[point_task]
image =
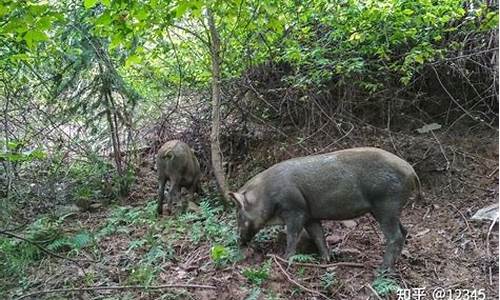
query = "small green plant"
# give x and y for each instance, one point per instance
(268, 234)
(301, 271)
(258, 275)
(121, 217)
(254, 294)
(328, 279)
(384, 285)
(89, 278)
(219, 254)
(303, 258)
(142, 274)
(159, 252)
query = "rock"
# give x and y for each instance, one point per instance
(428, 127)
(487, 213)
(62, 210)
(349, 223)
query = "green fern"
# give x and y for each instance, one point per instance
(206, 210)
(384, 285)
(81, 240)
(158, 252)
(258, 275)
(47, 232)
(328, 279)
(188, 217)
(303, 258)
(254, 294)
(59, 245)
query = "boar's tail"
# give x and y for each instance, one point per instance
(418, 186)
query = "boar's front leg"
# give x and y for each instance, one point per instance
(294, 225)
(315, 231)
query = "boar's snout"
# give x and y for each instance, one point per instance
(243, 241)
(246, 235)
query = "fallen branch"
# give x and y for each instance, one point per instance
(290, 279)
(338, 264)
(488, 252)
(125, 287)
(462, 215)
(43, 249)
(442, 151)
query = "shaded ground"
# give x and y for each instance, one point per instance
(446, 249)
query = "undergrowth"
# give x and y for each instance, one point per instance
(48, 232)
(208, 225)
(152, 247)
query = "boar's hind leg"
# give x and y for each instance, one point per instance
(161, 194)
(294, 225)
(390, 225)
(173, 194)
(315, 231)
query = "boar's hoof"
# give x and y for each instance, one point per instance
(325, 258)
(248, 251)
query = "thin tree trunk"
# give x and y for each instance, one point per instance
(214, 135)
(6, 163)
(114, 139)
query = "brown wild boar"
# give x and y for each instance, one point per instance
(340, 185)
(177, 163)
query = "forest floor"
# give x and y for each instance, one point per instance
(446, 249)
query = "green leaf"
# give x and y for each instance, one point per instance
(218, 253)
(116, 40)
(4, 10)
(355, 36)
(132, 60)
(44, 23)
(181, 9)
(19, 57)
(32, 37)
(12, 145)
(408, 11)
(37, 9)
(104, 19)
(89, 3)
(38, 154)
(106, 3)
(141, 14)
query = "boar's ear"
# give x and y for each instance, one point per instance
(238, 199)
(168, 155)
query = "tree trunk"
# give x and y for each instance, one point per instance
(214, 135)
(111, 116)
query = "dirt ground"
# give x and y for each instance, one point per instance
(445, 249)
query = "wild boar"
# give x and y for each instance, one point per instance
(340, 185)
(177, 163)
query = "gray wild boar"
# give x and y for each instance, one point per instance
(177, 163)
(340, 185)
